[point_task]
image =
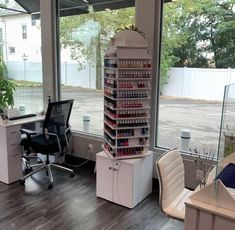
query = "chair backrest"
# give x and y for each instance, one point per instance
(57, 117)
(170, 169)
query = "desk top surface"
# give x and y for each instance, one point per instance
(6, 123)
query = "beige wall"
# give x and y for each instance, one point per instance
(144, 19)
(80, 143)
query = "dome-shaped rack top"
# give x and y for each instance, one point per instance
(128, 38)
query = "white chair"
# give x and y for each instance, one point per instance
(172, 194)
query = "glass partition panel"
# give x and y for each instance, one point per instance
(227, 130)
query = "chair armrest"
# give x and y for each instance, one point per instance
(28, 132)
(57, 138)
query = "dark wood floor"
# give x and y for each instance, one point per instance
(72, 204)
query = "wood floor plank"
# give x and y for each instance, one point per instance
(72, 204)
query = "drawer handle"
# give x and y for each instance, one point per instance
(111, 168)
(13, 132)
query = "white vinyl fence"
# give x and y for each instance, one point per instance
(196, 83)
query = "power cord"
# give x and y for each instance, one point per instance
(79, 165)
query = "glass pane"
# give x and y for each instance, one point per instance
(196, 62)
(227, 129)
(21, 59)
(84, 39)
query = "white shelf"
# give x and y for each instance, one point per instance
(132, 64)
(127, 89)
(126, 118)
(129, 127)
(127, 68)
(144, 154)
(122, 109)
(124, 137)
(127, 98)
(125, 147)
(127, 58)
(129, 79)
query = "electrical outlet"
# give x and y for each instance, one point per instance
(90, 148)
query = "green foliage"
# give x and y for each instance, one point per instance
(198, 34)
(88, 35)
(7, 89)
(207, 29)
(3, 69)
(131, 27)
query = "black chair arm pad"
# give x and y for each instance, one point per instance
(28, 132)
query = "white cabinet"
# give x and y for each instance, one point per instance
(10, 154)
(125, 182)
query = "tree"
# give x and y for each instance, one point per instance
(207, 29)
(101, 26)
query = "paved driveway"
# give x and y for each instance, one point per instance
(202, 118)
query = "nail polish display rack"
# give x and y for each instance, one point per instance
(127, 88)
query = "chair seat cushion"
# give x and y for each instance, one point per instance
(39, 144)
(177, 207)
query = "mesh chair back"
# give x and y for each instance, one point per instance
(57, 117)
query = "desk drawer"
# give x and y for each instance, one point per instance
(13, 129)
(14, 149)
(14, 168)
(13, 135)
(13, 140)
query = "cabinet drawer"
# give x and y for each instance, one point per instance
(13, 135)
(14, 140)
(11, 130)
(14, 168)
(14, 150)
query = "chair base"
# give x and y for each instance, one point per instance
(27, 162)
(47, 166)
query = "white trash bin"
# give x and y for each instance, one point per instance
(86, 122)
(185, 139)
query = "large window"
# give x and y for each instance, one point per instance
(197, 61)
(84, 39)
(21, 61)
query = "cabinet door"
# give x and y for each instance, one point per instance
(123, 184)
(104, 178)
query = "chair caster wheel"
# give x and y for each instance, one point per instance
(50, 186)
(22, 182)
(72, 175)
(28, 170)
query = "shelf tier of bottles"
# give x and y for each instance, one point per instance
(127, 108)
(124, 143)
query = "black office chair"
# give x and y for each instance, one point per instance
(53, 139)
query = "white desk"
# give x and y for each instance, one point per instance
(203, 213)
(10, 149)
